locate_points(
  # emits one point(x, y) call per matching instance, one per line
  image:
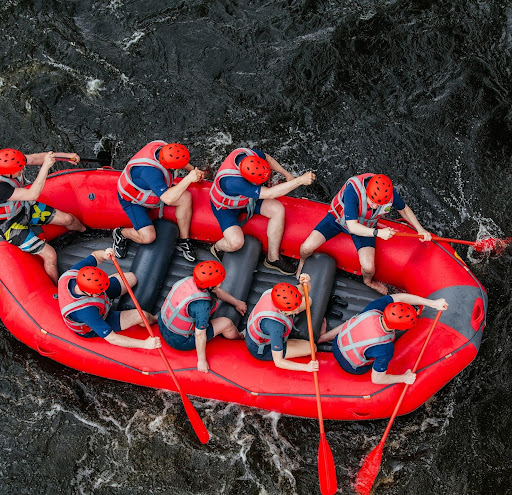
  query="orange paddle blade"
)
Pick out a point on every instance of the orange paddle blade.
point(326, 468)
point(195, 419)
point(369, 471)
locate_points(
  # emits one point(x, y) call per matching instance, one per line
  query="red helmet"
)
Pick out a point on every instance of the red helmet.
point(255, 169)
point(400, 316)
point(11, 161)
point(92, 280)
point(208, 274)
point(286, 296)
point(174, 156)
point(380, 189)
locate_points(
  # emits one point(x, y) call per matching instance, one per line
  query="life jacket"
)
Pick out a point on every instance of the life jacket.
point(174, 312)
point(265, 308)
point(359, 334)
point(367, 216)
point(129, 191)
point(68, 303)
point(229, 168)
point(9, 209)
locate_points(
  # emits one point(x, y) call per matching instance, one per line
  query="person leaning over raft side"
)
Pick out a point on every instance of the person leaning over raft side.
point(237, 189)
point(184, 319)
point(147, 182)
point(355, 210)
point(270, 323)
point(21, 216)
point(85, 295)
point(366, 340)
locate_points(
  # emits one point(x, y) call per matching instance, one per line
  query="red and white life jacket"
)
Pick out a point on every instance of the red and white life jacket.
point(229, 168)
point(68, 303)
point(367, 216)
point(360, 333)
point(174, 313)
point(9, 209)
point(265, 308)
point(129, 191)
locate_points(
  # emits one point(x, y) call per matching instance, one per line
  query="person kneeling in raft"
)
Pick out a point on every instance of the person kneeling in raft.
point(185, 316)
point(355, 210)
point(147, 182)
point(85, 296)
point(270, 323)
point(366, 340)
point(238, 188)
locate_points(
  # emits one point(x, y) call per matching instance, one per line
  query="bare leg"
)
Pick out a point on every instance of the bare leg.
point(130, 278)
point(226, 327)
point(297, 348)
point(146, 235)
point(183, 212)
point(132, 317)
point(274, 211)
point(367, 261)
point(50, 262)
point(67, 220)
point(308, 247)
point(233, 240)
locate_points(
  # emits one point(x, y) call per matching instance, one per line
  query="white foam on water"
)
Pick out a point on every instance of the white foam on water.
point(128, 42)
point(95, 86)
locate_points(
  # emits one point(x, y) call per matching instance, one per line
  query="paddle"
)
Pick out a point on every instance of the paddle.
point(193, 415)
point(489, 245)
point(326, 468)
point(104, 159)
point(371, 465)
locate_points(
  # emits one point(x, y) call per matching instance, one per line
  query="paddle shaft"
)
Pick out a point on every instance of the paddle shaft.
point(326, 467)
point(313, 357)
point(87, 160)
point(435, 238)
point(415, 367)
point(192, 414)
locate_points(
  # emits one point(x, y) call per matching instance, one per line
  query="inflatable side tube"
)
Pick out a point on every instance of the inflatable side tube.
point(240, 267)
point(150, 265)
point(322, 270)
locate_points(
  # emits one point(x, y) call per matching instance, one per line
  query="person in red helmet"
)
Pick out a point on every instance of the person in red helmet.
point(147, 182)
point(185, 318)
point(270, 323)
point(366, 340)
point(355, 210)
point(86, 293)
point(21, 215)
point(238, 188)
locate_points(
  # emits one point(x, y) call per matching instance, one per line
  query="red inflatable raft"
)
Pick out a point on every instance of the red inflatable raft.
point(29, 306)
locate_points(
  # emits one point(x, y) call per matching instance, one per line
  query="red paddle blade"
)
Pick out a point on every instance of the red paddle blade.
point(492, 245)
point(195, 420)
point(369, 471)
point(326, 468)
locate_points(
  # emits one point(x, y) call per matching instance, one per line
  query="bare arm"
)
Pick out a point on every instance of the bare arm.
point(276, 167)
point(38, 158)
point(286, 364)
point(240, 306)
point(439, 304)
point(22, 194)
point(354, 227)
point(202, 364)
point(174, 193)
point(283, 189)
point(408, 215)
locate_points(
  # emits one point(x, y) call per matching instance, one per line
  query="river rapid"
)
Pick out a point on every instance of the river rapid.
point(419, 90)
